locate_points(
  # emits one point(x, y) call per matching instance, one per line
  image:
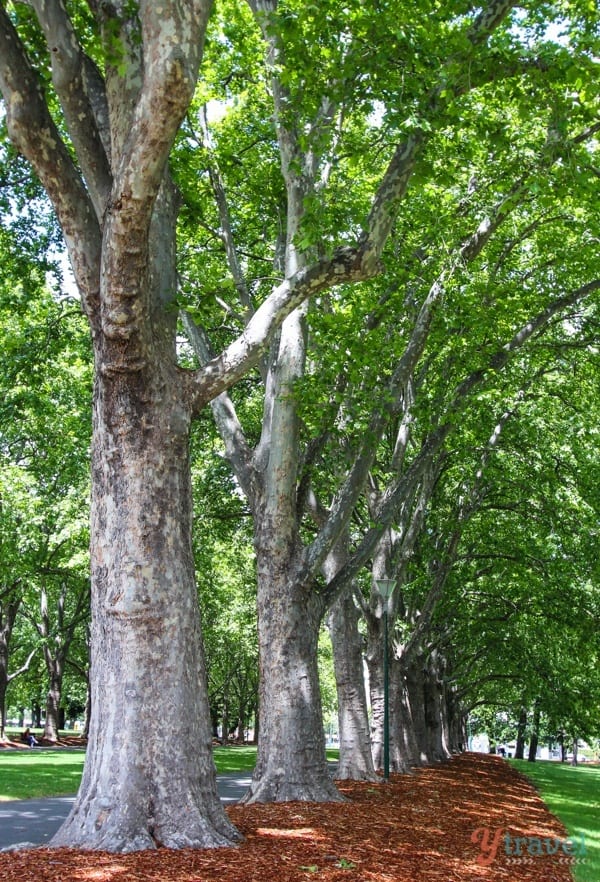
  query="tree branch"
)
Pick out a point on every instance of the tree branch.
point(237, 451)
point(226, 369)
point(70, 70)
point(34, 134)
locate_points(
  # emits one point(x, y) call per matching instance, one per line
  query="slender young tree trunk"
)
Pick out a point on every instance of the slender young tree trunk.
point(149, 733)
point(8, 614)
point(53, 697)
point(356, 759)
point(521, 727)
point(535, 735)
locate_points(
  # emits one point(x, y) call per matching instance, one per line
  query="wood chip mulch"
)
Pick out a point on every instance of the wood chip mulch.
point(452, 822)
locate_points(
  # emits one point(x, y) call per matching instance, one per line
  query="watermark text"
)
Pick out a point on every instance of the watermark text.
point(493, 842)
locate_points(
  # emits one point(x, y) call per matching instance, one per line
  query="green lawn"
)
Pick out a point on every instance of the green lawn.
point(39, 772)
point(572, 793)
point(57, 772)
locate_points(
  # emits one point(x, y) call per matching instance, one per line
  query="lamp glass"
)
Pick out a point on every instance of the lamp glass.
point(385, 587)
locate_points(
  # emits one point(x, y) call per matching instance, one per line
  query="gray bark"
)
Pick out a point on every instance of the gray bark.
point(53, 697)
point(435, 710)
point(291, 761)
point(149, 777)
point(402, 741)
point(356, 759)
point(415, 684)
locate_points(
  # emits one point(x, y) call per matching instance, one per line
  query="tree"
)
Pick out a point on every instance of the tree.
point(44, 437)
point(322, 146)
point(122, 80)
point(527, 575)
point(94, 101)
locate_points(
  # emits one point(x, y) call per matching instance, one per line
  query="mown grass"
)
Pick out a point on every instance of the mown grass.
point(40, 772)
point(572, 793)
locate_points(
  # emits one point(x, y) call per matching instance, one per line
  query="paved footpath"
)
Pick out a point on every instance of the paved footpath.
point(35, 821)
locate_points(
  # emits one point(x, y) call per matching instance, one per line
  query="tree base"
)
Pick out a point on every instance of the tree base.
point(270, 789)
point(123, 832)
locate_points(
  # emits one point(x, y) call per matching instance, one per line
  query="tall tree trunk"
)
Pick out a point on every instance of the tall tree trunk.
point(405, 754)
point(8, 614)
point(575, 759)
point(3, 687)
point(415, 684)
point(149, 777)
point(402, 744)
point(521, 727)
point(535, 734)
point(563, 747)
point(53, 697)
point(457, 726)
point(291, 763)
point(356, 759)
point(434, 712)
point(36, 715)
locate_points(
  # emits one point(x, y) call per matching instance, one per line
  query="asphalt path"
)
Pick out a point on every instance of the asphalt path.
point(30, 822)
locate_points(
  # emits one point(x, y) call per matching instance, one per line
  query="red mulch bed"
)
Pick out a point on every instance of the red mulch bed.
point(417, 828)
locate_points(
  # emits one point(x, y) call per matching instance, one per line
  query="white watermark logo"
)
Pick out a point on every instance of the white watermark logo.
point(525, 849)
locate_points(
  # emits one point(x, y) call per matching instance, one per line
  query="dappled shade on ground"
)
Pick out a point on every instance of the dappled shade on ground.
point(426, 827)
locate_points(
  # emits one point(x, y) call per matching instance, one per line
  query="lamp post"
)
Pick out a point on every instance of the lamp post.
point(386, 588)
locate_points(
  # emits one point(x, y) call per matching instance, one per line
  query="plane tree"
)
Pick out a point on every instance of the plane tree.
point(520, 618)
point(44, 431)
point(321, 125)
point(94, 97)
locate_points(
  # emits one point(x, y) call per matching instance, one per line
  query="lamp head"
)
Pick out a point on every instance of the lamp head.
point(385, 587)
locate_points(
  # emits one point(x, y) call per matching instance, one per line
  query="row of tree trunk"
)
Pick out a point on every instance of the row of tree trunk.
point(425, 722)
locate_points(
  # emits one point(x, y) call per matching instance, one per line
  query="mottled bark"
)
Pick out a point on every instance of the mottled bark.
point(356, 759)
point(149, 778)
point(405, 745)
point(402, 742)
point(291, 761)
point(415, 674)
point(437, 742)
point(457, 726)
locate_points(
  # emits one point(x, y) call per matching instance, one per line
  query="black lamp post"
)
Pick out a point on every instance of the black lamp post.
point(386, 588)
